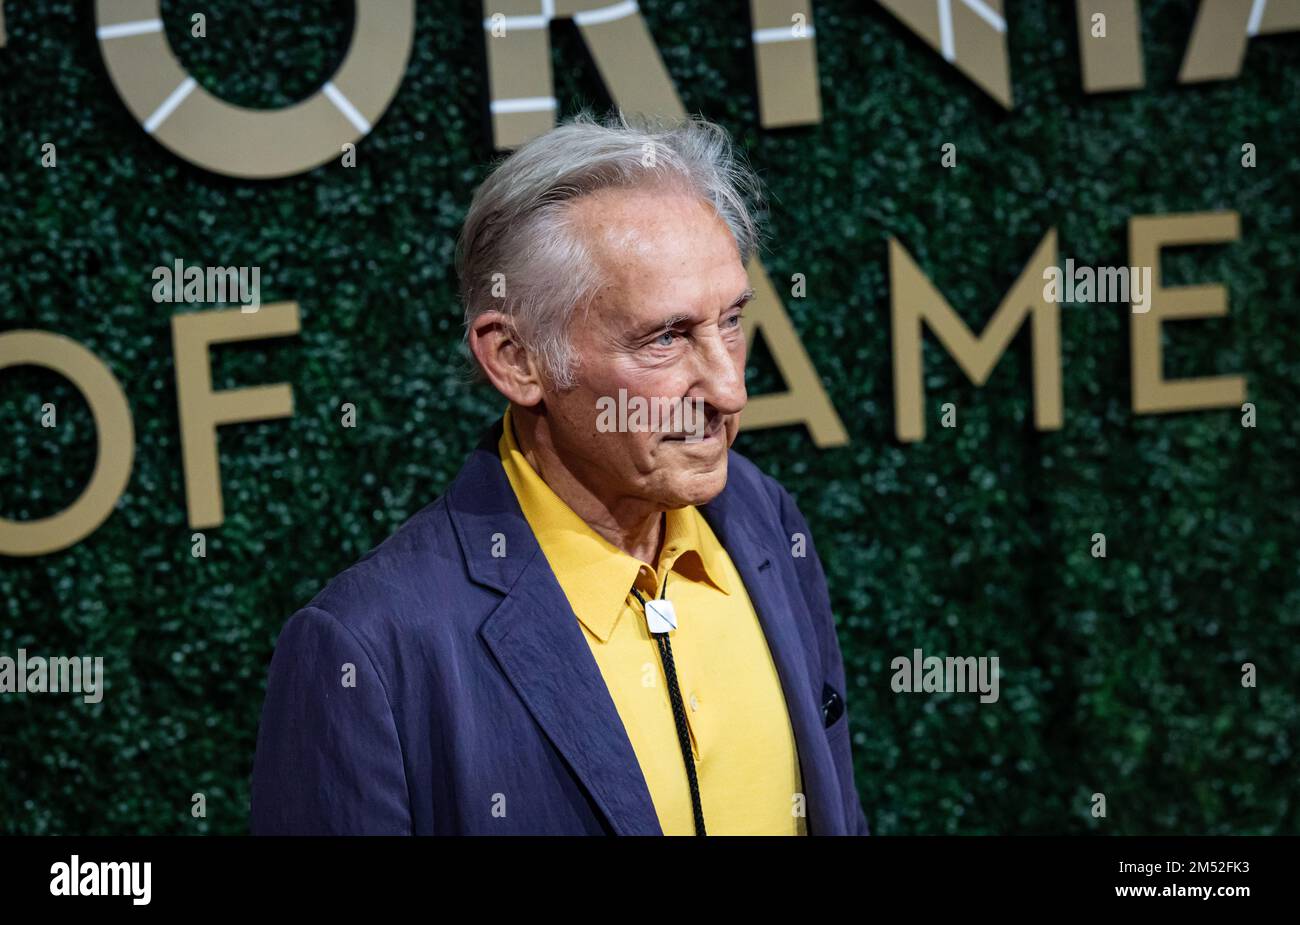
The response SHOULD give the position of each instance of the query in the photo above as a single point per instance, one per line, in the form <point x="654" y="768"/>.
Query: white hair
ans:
<point x="517" y="252"/>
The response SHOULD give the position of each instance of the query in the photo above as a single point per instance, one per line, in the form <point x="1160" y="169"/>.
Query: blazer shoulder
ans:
<point x="418" y="561"/>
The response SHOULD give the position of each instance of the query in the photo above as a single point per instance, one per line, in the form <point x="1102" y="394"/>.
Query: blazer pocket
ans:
<point x="832" y="708"/>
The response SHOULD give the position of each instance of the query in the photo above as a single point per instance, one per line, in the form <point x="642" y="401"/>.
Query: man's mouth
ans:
<point x="712" y="432"/>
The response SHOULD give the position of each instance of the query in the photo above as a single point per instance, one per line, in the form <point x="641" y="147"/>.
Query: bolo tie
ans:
<point x="661" y="620"/>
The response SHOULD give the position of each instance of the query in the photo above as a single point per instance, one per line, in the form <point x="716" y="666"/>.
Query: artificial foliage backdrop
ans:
<point x="1120" y="675"/>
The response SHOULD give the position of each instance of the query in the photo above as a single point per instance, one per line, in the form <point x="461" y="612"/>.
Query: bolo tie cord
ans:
<point x="679" y="713"/>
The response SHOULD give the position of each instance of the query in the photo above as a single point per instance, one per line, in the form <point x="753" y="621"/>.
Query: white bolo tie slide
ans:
<point x="661" y="619"/>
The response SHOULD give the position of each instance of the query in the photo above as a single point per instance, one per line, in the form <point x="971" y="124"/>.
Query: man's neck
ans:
<point x="631" y="524"/>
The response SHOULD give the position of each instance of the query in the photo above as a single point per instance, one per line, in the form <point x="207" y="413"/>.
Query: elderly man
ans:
<point x="610" y="623"/>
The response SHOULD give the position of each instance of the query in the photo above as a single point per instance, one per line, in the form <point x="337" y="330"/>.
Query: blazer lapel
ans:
<point x="537" y="640"/>
<point x="741" y="534"/>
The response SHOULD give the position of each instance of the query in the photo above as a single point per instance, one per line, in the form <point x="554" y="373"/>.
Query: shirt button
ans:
<point x="695" y="704"/>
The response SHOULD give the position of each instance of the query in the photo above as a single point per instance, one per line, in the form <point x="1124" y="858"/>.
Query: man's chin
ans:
<point x="697" y="488"/>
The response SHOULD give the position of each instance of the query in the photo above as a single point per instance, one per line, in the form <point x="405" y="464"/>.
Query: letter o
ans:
<point x="254" y="143"/>
<point x="113" y="428"/>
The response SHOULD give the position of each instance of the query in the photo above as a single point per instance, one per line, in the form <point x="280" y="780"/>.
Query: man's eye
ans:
<point x="660" y="342"/>
<point x="734" y="320"/>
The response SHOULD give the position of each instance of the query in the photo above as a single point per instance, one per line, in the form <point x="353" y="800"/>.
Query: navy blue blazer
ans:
<point x="475" y="706"/>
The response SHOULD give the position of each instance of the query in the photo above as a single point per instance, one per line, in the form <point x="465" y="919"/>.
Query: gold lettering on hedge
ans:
<point x="1222" y="29"/>
<point x="785" y="63"/>
<point x="254" y="143"/>
<point x="1112" y="61"/>
<point x="114" y="432"/>
<point x="202" y="410"/>
<point x="805" y="400"/>
<point x="634" y="75"/>
<point x="1147" y="235"/>
<point x="970" y="34"/>
<point x="521" y="85"/>
<point x="914" y="301"/>
<point x="520" y="82"/>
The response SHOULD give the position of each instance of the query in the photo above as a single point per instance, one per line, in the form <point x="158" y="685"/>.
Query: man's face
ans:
<point x="665" y="326"/>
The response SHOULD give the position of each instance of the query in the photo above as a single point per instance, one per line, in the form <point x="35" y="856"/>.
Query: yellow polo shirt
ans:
<point x="745" y="757"/>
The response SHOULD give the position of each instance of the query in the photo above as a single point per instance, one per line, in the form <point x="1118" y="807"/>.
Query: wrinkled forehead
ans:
<point x="656" y="250"/>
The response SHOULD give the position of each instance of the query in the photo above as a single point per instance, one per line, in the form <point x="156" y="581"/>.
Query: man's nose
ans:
<point x="721" y="377"/>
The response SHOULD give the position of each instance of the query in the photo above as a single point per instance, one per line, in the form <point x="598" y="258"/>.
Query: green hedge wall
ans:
<point x="1119" y="675"/>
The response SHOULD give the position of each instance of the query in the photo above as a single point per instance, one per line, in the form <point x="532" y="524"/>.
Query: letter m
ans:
<point x="914" y="302"/>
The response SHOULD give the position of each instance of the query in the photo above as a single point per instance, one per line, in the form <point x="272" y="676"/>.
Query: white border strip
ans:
<point x="126" y="29"/>
<point x="344" y="105"/>
<point x="524" y="104"/>
<point x="169" y="105"/>
<point x="1256" y="17"/>
<point x="782" y="34"/>
<point x="946" y="44"/>
<point x="605" y="13"/>
<point x="986" y="13"/>
<point x="518" y="22"/>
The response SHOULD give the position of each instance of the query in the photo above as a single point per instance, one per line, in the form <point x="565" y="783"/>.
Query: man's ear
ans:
<point x="504" y="359"/>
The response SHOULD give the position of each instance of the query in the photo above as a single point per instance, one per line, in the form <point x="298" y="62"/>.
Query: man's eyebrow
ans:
<point x="673" y="320"/>
<point x="669" y="321"/>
